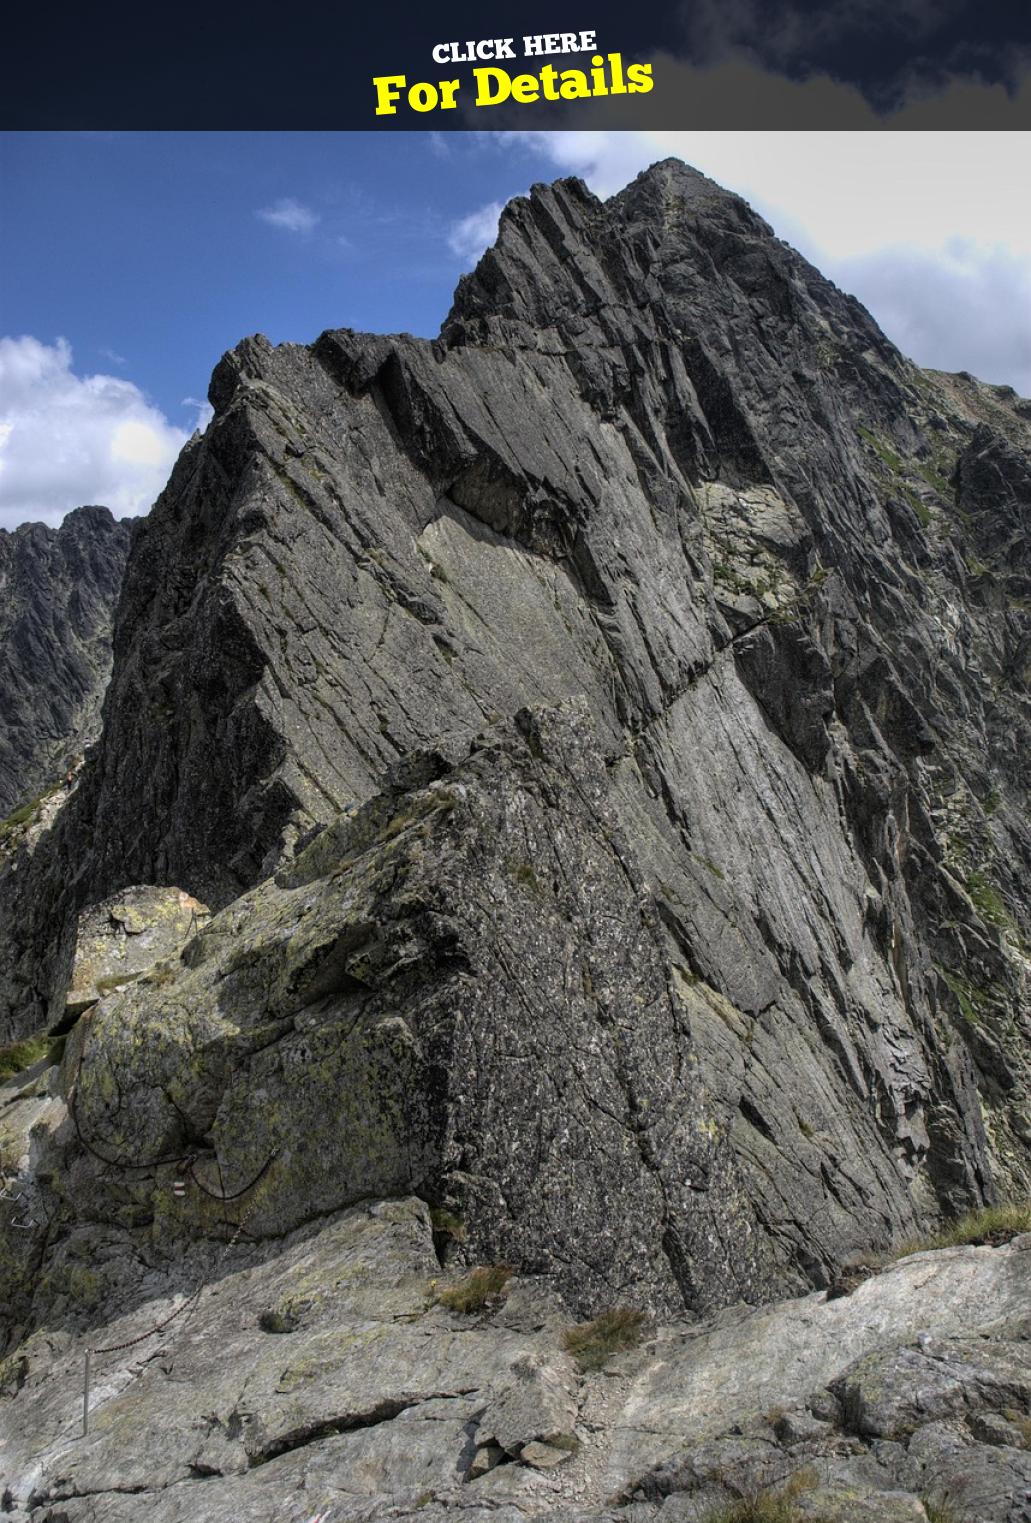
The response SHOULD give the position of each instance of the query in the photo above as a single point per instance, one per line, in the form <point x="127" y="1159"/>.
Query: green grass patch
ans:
<point x="771" y="1504"/>
<point x="975" y="1004"/>
<point x="1021" y="1421"/>
<point x="447" y="1224"/>
<point x="161" y="974"/>
<point x="987" y="900"/>
<point x="114" y="981"/>
<point x="26" y="812"/>
<point x="424" y="808"/>
<point x="939" y="1512"/>
<point x="21" y="1055"/>
<point x="767" y="1507"/>
<point x="897" y="466"/>
<point x="717" y="872"/>
<point x="20" y="816"/>
<point x="935" y="479"/>
<point x="592" y="1344"/>
<point x="990" y="1225"/>
<point x="479" y="1289"/>
<point x="523" y="872"/>
<point x="887" y="456"/>
<point x="921" y="509"/>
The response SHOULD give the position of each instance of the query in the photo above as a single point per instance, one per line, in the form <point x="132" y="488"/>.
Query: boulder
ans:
<point x="892" y="1392"/>
<point x="126" y="936"/>
<point x="534" y="1408"/>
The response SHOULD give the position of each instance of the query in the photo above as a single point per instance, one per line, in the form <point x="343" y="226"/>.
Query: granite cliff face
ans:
<point x="602" y="736"/>
<point x="58" y="590"/>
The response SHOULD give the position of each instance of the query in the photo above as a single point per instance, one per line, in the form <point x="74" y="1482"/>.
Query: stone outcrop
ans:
<point x="58" y="591"/>
<point x="122" y="938"/>
<point x="459" y="991"/>
<point x="601" y="735"/>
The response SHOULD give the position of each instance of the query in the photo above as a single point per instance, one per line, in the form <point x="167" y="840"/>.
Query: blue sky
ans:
<point x="152" y="246"/>
<point x="130" y="262"/>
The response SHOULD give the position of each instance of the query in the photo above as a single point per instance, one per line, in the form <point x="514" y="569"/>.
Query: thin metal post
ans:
<point x="85" y="1395"/>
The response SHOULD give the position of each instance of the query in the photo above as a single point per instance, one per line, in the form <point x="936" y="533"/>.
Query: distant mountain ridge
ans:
<point x="58" y="591"/>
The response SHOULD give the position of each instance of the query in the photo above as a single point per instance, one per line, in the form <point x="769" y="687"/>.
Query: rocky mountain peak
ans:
<point x="660" y="479"/>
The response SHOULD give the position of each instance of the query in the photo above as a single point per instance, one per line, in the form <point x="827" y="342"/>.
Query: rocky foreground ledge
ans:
<point x="321" y="1376"/>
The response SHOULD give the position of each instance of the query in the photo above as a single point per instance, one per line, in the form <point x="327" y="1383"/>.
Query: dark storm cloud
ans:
<point x="881" y="48"/>
<point x="784" y="32"/>
<point x="804" y="65"/>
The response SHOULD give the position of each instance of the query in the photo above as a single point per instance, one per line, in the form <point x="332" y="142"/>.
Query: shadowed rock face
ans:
<point x="58" y="590"/>
<point x="759" y="588"/>
<point x="460" y="991"/>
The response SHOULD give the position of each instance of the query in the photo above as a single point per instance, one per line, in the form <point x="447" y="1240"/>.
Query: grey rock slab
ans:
<point x="704" y="1380"/>
<point x="799" y="1428"/>
<point x="695" y="1506"/>
<point x="373" y="1405"/>
<point x="981" y="1480"/>
<point x="217" y="1395"/>
<point x="535" y="1401"/>
<point x="831" y="1505"/>
<point x="407" y="1008"/>
<point x="543" y="1456"/>
<point x="485" y="1458"/>
<point x="994" y="1428"/>
<point x="890" y="1393"/>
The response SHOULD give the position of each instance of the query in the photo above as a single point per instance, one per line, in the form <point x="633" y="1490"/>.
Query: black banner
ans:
<point x="702" y="64"/>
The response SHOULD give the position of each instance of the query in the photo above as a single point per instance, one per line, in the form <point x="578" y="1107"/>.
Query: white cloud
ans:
<point x="849" y="193"/>
<point x="67" y="439"/>
<point x="203" y="412"/>
<point x="926" y="228"/>
<point x="471" y="235"/>
<point x="965" y="308"/>
<point x="289" y="214"/>
<point x="137" y="444"/>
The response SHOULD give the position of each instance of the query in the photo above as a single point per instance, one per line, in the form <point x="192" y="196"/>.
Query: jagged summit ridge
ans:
<point x="657" y="468"/>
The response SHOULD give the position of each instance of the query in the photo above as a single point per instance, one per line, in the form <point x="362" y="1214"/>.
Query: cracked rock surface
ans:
<point x="319" y="1374"/>
<point x="460" y="990"/>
